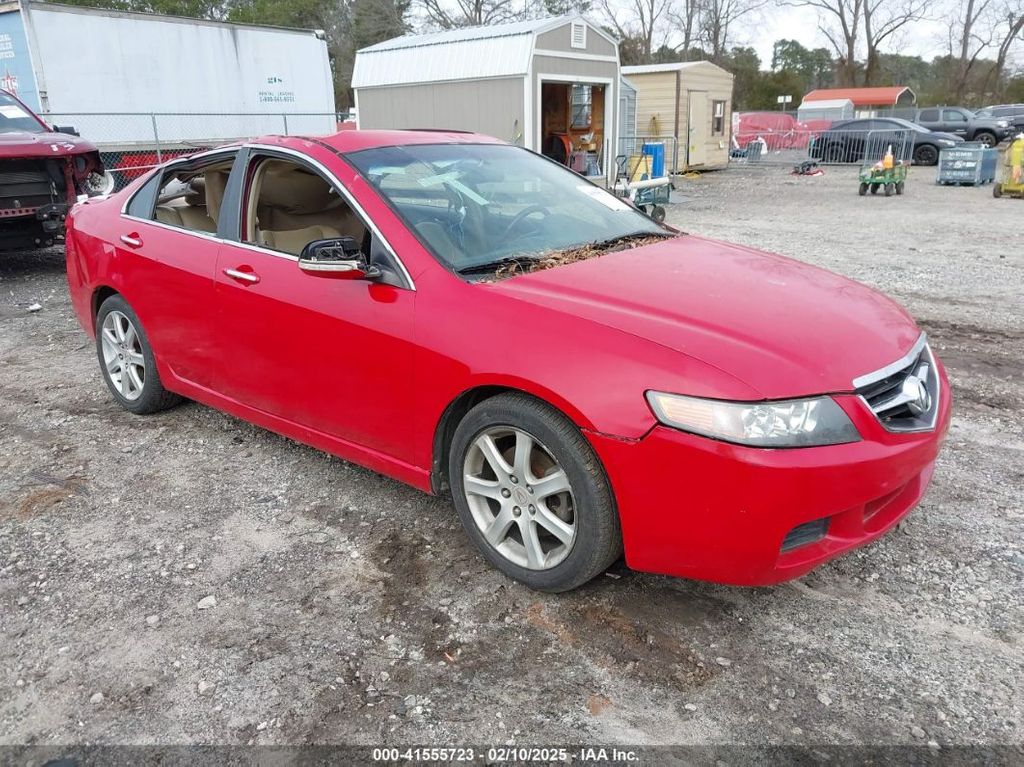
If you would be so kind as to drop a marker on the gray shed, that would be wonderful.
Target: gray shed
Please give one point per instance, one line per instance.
(550, 85)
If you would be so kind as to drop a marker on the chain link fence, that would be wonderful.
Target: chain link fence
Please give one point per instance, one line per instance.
(833, 146)
(132, 143)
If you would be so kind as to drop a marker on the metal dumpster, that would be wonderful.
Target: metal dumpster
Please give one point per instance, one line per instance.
(970, 164)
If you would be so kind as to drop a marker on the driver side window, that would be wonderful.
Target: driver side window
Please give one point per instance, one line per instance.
(289, 205)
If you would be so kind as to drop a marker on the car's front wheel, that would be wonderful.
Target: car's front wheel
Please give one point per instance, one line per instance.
(126, 359)
(532, 494)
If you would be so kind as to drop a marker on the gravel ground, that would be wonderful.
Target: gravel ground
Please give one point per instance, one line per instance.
(189, 578)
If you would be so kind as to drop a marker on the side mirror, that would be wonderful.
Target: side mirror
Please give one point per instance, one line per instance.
(66, 129)
(339, 258)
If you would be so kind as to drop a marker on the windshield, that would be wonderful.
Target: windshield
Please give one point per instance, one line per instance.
(15, 118)
(478, 204)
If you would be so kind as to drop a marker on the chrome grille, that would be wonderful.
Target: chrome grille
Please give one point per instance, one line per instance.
(904, 395)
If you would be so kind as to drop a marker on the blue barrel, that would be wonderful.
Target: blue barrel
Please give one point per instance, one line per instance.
(657, 153)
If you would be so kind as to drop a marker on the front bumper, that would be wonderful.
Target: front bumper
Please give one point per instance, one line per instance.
(697, 508)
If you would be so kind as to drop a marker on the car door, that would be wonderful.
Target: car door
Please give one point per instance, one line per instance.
(955, 122)
(168, 245)
(331, 355)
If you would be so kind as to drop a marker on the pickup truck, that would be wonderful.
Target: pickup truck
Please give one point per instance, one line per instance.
(1012, 113)
(43, 172)
(964, 123)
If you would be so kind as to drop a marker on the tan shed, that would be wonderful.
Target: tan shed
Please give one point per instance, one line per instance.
(689, 106)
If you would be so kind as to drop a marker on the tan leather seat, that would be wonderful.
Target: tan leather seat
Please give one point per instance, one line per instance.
(193, 215)
(296, 207)
(215, 183)
(294, 240)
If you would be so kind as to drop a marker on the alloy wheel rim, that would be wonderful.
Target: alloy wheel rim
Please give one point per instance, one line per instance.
(520, 498)
(123, 360)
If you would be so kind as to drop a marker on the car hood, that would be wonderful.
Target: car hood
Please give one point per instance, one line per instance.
(784, 328)
(24, 144)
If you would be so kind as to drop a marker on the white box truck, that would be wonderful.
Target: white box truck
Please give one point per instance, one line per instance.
(144, 86)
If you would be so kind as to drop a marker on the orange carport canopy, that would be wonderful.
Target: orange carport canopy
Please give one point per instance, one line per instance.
(866, 97)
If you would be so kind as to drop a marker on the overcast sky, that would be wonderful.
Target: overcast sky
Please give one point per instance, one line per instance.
(924, 38)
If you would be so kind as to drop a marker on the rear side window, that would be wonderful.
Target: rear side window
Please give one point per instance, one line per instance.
(141, 205)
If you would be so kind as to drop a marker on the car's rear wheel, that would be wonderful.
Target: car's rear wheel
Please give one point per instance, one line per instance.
(126, 360)
(926, 154)
(532, 495)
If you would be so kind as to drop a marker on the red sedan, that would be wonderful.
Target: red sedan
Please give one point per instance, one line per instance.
(458, 313)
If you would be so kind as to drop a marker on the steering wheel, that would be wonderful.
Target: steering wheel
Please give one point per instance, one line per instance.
(521, 216)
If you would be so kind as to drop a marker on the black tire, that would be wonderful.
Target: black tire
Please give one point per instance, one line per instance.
(874, 188)
(899, 187)
(986, 138)
(834, 153)
(598, 540)
(863, 190)
(658, 214)
(153, 396)
(926, 154)
(889, 189)
(997, 190)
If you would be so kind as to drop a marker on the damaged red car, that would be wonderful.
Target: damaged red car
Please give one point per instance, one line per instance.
(464, 315)
(43, 172)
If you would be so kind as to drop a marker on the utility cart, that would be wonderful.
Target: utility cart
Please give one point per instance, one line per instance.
(890, 180)
(648, 194)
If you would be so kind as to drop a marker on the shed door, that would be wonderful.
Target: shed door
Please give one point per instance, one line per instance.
(697, 128)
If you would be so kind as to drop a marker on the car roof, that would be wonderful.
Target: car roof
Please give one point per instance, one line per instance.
(356, 140)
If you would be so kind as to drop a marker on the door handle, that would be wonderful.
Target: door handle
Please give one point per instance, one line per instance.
(248, 277)
(132, 240)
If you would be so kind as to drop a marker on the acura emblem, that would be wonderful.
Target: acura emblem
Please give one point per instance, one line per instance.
(919, 399)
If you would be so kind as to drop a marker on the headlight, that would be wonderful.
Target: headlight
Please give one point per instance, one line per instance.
(947, 142)
(783, 423)
(1003, 123)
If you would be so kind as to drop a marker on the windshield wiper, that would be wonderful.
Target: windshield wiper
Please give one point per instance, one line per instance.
(491, 266)
(639, 235)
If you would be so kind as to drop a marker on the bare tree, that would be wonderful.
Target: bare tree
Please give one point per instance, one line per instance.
(718, 19)
(451, 14)
(970, 36)
(882, 20)
(1011, 30)
(685, 17)
(840, 22)
(640, 20)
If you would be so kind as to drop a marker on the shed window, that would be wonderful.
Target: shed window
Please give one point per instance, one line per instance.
(717, 118)
(582, 101)
(578, 37)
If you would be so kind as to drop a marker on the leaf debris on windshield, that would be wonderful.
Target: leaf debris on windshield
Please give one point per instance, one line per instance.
(571, 255)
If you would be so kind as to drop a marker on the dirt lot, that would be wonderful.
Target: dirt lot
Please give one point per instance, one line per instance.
(350, 608)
